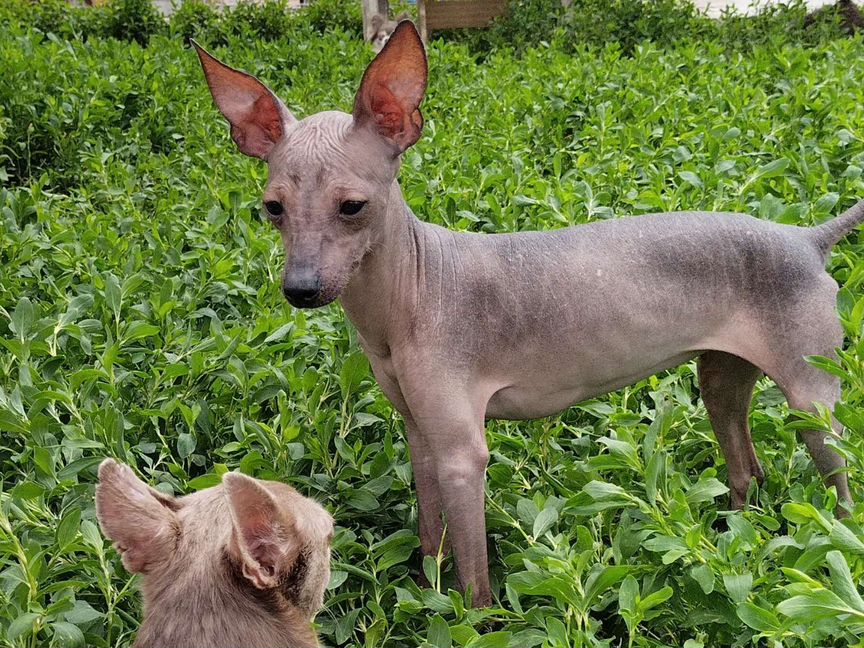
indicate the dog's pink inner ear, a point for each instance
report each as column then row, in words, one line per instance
column 256, row 116
column 261, row 533
column 393, row 87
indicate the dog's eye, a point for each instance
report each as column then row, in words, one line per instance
column 274, row 208
column 351, row 207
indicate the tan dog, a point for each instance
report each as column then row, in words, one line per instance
column 382, row 28
column 244, row 563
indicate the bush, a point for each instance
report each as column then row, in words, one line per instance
column 630, row 22
column 198, row 19
column 131, row 20
column 343, row 15
column 596, row 24
column 268, row 20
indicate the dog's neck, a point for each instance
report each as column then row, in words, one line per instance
column 384, row 289
column 220, row 614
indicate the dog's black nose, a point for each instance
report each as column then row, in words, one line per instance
column 302, row 291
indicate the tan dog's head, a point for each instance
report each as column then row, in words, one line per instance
column 383, row 28
column 331, row 175
column 244, row 563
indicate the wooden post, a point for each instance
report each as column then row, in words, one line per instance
column 373, row 8
column 421, row 20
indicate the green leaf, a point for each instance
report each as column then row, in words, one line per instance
column 139, row 330
column 705, row 490
column 816, row 605
column 82, row 613
column 438, row 634
column 703, row 575
column 738, row 586
column 28, row 491
column 185, row 445
column 528, row 638
column 770, row 170
column 656, row 598
column 22, row 318
column 804, row 513
column 841, row 580
column 354, row 370
column 204, row 481
column 628, row 595
column 362, row 500
column 757, row 618
column 652, row 473
column 22, row 624
column 601, row 580
column 544, row 521
column 91, row 535
column 527, row 511
column 66, row 635
column 601, row 490
column 825, row 204
column 67, row 530
column 691, row 178
column 491, row 640
column 543, row 584
column 430, row 569
column 112, row 294
column 845, row 539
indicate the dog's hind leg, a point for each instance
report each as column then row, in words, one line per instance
column 726, row 382
column 811, row 329
column 804, row 386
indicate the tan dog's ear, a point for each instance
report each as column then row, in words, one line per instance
column 139, row 519
column 264, row 536
column 392, row 88
column 258, row 119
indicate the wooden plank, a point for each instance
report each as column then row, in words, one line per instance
column 421, row 21
column 459, row 14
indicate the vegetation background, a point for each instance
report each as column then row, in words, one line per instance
column 140, row 317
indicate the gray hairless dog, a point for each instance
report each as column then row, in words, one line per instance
column 461, row 327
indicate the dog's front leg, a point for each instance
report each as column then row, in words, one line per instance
column 429, row 509
column 456, row 442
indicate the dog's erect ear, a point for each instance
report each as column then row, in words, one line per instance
column 393, row 86
column 264, row 536
column 258, row 119
column 139, row 519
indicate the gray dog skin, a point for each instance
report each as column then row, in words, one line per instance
column 461, row 327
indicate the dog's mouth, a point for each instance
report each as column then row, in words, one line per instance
column 319, row 300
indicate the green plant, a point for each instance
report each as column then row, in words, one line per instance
column 344, row 15
column 134, row 20
column 268, row 20
column 140, row 317
column 197, row 19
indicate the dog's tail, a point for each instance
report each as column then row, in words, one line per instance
column 828, row 234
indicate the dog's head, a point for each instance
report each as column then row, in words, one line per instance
column 331, row 175
column 382, row 29
column 249, row 559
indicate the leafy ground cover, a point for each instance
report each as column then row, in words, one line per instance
column 140, row 318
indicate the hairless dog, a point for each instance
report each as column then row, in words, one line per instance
column 460, row 327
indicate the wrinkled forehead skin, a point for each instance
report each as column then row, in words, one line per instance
column 326, row 147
